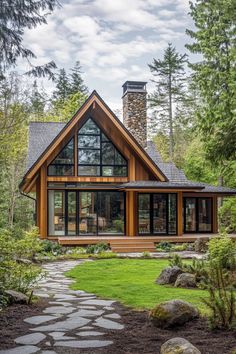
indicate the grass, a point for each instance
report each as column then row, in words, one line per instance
column 131, row 281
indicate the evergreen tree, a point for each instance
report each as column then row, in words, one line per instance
column 215, row 75
column 37, row 102
column 15, row 17
column 62, row 91
column 170, row 76
column 76, row 80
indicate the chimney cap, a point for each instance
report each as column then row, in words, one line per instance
column 134, row 86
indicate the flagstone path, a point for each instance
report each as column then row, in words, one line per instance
column 74, row 319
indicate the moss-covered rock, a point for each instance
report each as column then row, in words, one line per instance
column 178, row 346
column 172, row 313
column 186, row 280
column 169, row 275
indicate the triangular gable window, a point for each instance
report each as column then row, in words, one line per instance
column 63, row 164
column 97, row 155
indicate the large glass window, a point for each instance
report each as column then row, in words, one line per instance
column 157, row 214
column 111, row 213
column 63, row 164
column 97, row 156
column 197, row 214
column 86, row 213
column 56, row 213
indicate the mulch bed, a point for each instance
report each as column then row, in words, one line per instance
column 139, row 336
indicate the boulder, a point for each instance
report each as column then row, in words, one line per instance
column 16, row 297
column 178, row 346
column 169, row 275
column 172, row 313
column 186, row 280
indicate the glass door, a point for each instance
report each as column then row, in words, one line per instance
column 87, row 213
column 190, row 213
column 160, row 213
column 204, row 215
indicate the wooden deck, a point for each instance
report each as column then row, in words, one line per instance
column 127, row 244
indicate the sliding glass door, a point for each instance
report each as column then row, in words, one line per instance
column 86, row 213
column 197, row 214
column 157, row 213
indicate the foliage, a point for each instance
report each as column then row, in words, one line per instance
column 97, row 248
column 164, row 246
column 146, row 254
column 176, row 261
column 215, row 75
column 16, row 16
column 51, row 247
column 15, row 272
column 227, row 215
column 169, row 76
column 201, row 245
column 180, row 247
column 198, row 267
column 221, row 301
column 222, row 250
column 130, row 281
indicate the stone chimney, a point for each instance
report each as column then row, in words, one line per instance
column 135, row 110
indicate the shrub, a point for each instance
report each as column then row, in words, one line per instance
column 201, row 245
column 222, row 250
column 176, row 261
column 51, row 247
column 164, row 246
column 98, row 248
column 181, row 247
column 146, row 254
column 15, row 275
column 198, row 267
column 227, row 215
column 221, row 300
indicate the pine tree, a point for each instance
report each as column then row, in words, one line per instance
column 15, row 17
column 37, row 101
column 215, row 75
column 62, row 91
column 76, row 80
column 169, row 74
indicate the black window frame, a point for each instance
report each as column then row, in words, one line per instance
column 197, row 215
column 100, row 149
column 66, row 191
column 151, row 215
column 63, row 164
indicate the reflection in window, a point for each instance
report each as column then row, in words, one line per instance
column 56, row 212
column 63, row 164
column 157, row 214
column 71, row 213
column 111, row 213
column 190, row 214
column 204, row 217
column 144, row 213
column 97, row 156
column 87, row 213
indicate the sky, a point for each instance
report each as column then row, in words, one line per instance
column 114, row 40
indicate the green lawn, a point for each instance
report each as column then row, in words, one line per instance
column 130, row 281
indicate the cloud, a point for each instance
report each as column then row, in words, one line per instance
column 113, row 39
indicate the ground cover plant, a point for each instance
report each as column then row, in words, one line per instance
column 131, row 281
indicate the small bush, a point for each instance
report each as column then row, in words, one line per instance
column 201, row 245
column 105, row 255
column 198, row 267
column 164, row 246
column 222, row 250
column 51, row 247
column 146, row 254
column 98, row 248
column 176, row 261
column 181, row 247
column 221, row 302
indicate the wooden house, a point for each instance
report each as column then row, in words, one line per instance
column 96, row 178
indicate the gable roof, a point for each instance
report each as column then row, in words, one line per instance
column 41, row 153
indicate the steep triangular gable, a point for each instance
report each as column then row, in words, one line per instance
column 93, row 100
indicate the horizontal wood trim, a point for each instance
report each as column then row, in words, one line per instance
column 88, row 179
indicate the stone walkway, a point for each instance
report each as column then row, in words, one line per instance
column 74, row 318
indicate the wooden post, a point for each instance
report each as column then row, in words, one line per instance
column 130, row 213
column 180, row 213
column 43, row 202
column 215, row 215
